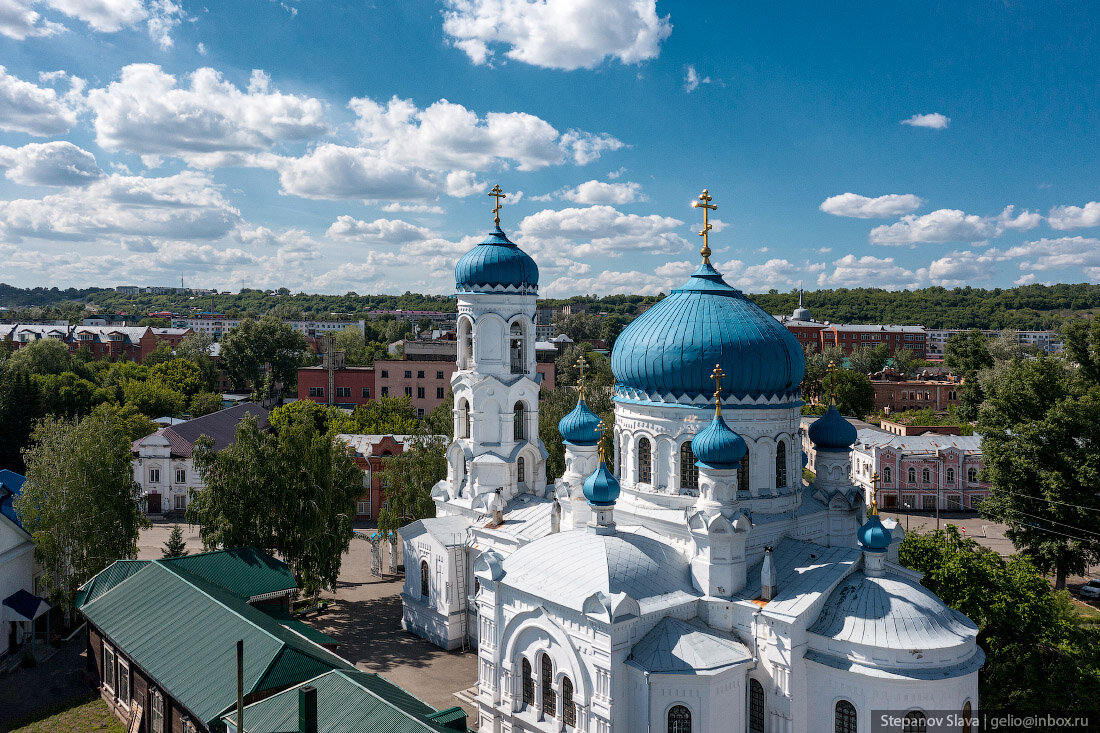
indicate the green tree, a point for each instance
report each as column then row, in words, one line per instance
column 134, row 424
column 597, row 373
column 175, row 546
column 20, row 406
column 378, row 417
column 196, row 347
column 181, row 375
column 855, row 396
column 80, row 502
column 204, row 403
column 350, row 340
column 817, row 366
column 906, row 362
column 440, row 421
column 255, row 349
column 967, row 352
column 153, row 398
column 1082, row 347
column 44, row 356
column 409, row 478
column 869, row 359
column 69, row 394
column 161, row 353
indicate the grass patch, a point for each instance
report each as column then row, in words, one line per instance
column 83, row 714
column 1089, row 613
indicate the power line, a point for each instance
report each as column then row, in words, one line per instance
column 1051, row 521
column 1043, row 498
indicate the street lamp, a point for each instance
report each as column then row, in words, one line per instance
column 907, row 508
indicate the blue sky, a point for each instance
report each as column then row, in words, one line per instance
column 334, row 147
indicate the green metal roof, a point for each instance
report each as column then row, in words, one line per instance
column 291, row 622
column 244, row 571
column 107, row 579
column 182, row 631
column 351, row 701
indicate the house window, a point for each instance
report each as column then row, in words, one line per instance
column 971, row 475
column 109, row 665
column 385, row 374
column 912, row 475
column 914, row 722
column 408, row 374
column 366, row 392
column 154, row 475
column 926, row 476
column 419, row 393
column 362, row 508
column 568, row 710
column 756, row 707
column 679, row 719
column 968, row 711
column 123, row 683
column 188, row 726
column 521, row 473
column 781, row 464
column 181, row 502
column 385, row 391
column 343, row 391
column 439, row 393
column 929, row 503
column 528, row 684
column 689, row 472
column 316, row 391
column 439, row 375
column 517, row 421
column 420, row 375
column 181, row 475
column 156, row 712
column 645, row 462
column 420, row 412
column 844, row 721
column 743, row 473
column 408, row 391
column 424, row 579
column 950, row 474
column 549, row 700
column 887, row 475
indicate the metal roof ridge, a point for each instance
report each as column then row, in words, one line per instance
column 389, row 704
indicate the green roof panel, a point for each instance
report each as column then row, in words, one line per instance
column 244, row 571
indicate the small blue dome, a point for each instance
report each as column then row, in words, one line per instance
column 496, row 263
column 671, row 349
column 717, row 446
column 601, row 488
column 579, row 426
column 873, row 535
column 831, row 432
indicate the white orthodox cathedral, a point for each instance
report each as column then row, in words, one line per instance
column 691, row 581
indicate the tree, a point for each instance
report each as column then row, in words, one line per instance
column 204, row 403
column 20, row 406
column 440, row 421
column 853, row 391
column 181, row 375
column 161, row 353
column 350, row 340
column 69, row 394
column 597, row 373
column 906, row 362
column 80, row 502
column 1082, row 347
column 817, row 366
column 869, row 359
column 966, row 353
column 44, row 356
column 578, row 326
column 378, row 417
column 134, row 424
column 153, row 398
column 255, row 349
column 408, row 481
column 175, row 546
column 196, row 347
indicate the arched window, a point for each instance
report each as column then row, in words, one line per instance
column 528, row 684
column 516, row 347
column 844, row 721
column 689, row 472
column 517, row 421
column 914, row 722
column 465, row 343
column 549, row 702
column 968, row 711
column 463, row 419
column 950, row 474
column 926, row 476
column 568, row 709
column 971, row 475
column 912, row 475
column 743, row 473
column 781, row 464
column 645, row 462
column 424, row 580
column 756, row 707
column 887, row 475
column 679, row 719
column 521, row 473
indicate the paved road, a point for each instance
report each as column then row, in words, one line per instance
column 59, row 679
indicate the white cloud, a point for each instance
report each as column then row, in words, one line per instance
column 147, row 112
column 339, row 172
column 1075, row 254
column 392, row 231
column 19, row 21
column 558, row 35
column 867, row 272
column 934, row 121
column 49, row 164
column 35, row 110
column 862, row 207
column 1075, row 217
column 599, row 230
column 963, row 268
column 400, row 206
column 201, row 48
column 598, row 192
column 692, row 80
column 952, row 225
column 611, row 282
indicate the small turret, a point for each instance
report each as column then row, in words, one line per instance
column 768, row 582
column 602, row 490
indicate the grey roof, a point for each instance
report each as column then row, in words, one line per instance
column 927, row 443
column 960, row 669
column 686, row 647
column 220, row 425
column 891, row 612
column 804, row 572
column 449, row 531
column 527, row 517
column 568, row 567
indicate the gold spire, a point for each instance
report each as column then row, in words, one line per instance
column 717, row 375
column 874, row 494
column 581, row 364
column 601, row 429
column 831, row 369
column 498, row 194
column 707, row 207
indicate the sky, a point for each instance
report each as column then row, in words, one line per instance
column 330, row 147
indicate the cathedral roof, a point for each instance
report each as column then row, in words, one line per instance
column 497, row 265
column 579, row 426
column 601, row 488
column 873, row 536
column 804, row 572
column 668, row 352
column 717, row 446
column 831, row 432
column 686, row 647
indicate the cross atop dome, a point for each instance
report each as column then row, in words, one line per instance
column 717, row 375
column 498, row 194
column 581, row 364
column 707, row 207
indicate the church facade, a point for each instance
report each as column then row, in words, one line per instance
column 680, row 575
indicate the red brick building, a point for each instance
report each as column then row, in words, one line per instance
column 369, row 452
column 350, row 386
column 114, row 342
column 428, row 383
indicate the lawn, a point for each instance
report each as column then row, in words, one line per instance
column 1089, row 613
column 90, row 715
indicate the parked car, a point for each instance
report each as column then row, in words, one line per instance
column 1090, row 589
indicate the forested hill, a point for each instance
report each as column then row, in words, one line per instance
column 1027, row 307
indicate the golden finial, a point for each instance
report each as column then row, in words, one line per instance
column 601, row 428
column 874, row 494
column 707, row 207
column 581, row 364
column 498, row 194
column 717, row 375
column 832, row 369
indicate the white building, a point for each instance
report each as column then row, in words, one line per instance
column 696, row 583
column 19, row 574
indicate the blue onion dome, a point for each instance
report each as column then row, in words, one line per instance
column 718, row 446
column 667, row 353
column 579, row 427
column 601, row 488
column 497, row 265
column 831, row 432
column 873, row 536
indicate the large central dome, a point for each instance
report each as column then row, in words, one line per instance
column 668, row 353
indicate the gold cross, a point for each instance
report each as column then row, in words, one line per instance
column 581, row 364
column 707, row 207
column 717, row 375
column 498, row 194
column 874, row 494
column 832, row 369
column 601, row 429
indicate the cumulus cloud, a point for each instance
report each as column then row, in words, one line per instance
column 49, row 164
column 692, row 80
column 952, row 225
column 35, row 110
column 599, row 230
column 863, row 207
column 934, row 121
column 393, row 231
column 1075, row 217
column 1076, row 254
column 598, row 192
column 339, row 172
column 963, row 268
column 557, row 35
column 148, row 112
column 867, row 271
column 19, row 21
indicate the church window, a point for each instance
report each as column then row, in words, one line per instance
column 528, row 684
column 689, row 472
column 912, row 475
column 950, row 475
column 521, row 473
column 517, row 421
column 549, row 701
column 887, row 475
column 971, row 475
column 968, row 711
column 679, row 719
column 845, row 719
column 568, row 709
column 914, row 722
column 424, row 579
column 781, row 464
column 743, row 473
column 756, row 707
column 926, row 477
column 516, row 350
column 645, row 462
column 466, row 343
column 464, row 416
